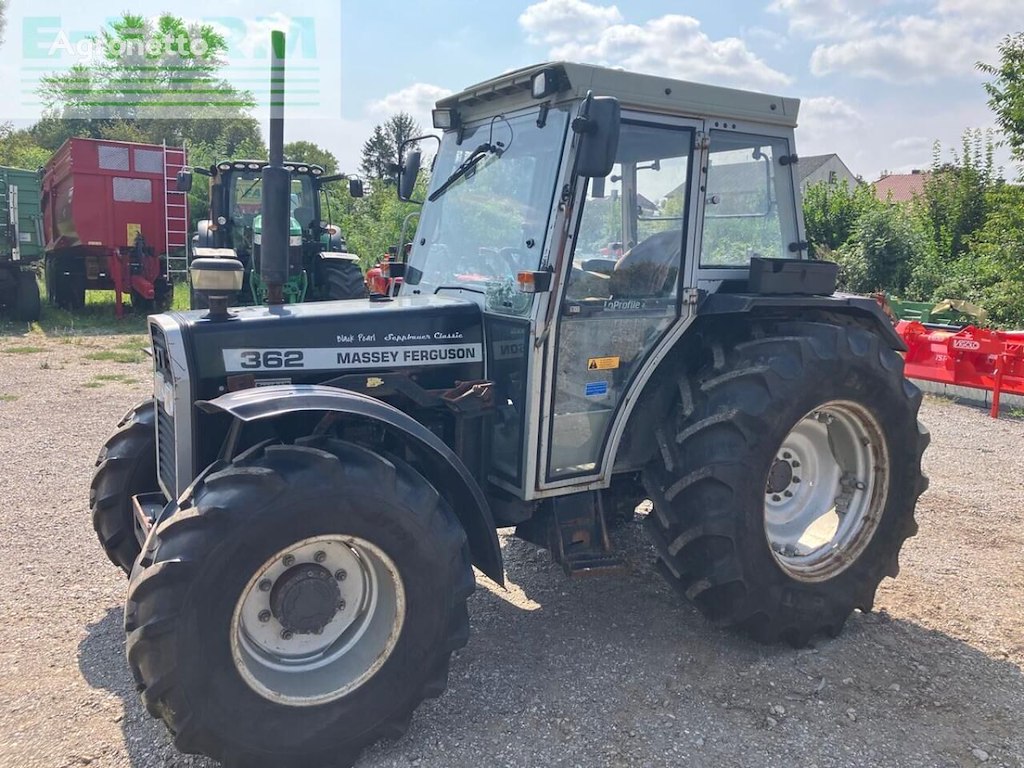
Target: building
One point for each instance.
(900, 187)
(815, 169)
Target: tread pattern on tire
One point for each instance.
(698, 525)
(156, 593)
(126, 465)
(343, 280)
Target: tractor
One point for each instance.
(301, 503)
(320, 268)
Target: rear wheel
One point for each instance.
(279, 619)
(126, 466)
(27, 305)
(791, 485)
(342, 280)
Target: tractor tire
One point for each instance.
(738, 531)
(342, 280)
(223, 652)
(126, 466)
(27, 304)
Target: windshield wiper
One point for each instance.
(468, 165)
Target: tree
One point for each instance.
(954, 203)
(1006, 91)
(831, 212)
(380, 151)
(308, 152)
(154, 80)
(885, 244)
(19, 150)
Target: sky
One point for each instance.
(880, 80)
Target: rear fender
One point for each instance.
(444, 468)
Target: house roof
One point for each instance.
(809, 165)
(900, 187)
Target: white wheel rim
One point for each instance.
(305, 667)
(826, 490)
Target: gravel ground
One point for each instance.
(600, 672)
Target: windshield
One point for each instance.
(490, 224)
(247, 198)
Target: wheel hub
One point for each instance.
(305, 599)
(780, 476)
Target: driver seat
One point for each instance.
(649, 269)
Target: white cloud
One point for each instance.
(672, 45)
(825, 18)
(417, 100)
(900, 41)
(827, 125)
(556, 22)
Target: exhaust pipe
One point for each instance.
(276, 210)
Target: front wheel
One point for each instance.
(126, 466)
(279, 617)
(792, 481)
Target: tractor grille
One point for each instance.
(167, 465)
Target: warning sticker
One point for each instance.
(602, 363)
(596, 389)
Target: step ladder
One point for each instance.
(176, 219)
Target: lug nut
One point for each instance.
(788, 494)
(286, 634)
(289, 561)
(795, 464)
(341, 605)
(776, 497)
(265, 585)
(340, 574)
(787, 455)
(264, 616)
(320, 557)
(796, 479)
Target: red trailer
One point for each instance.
(111, 215)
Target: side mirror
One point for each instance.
(598, 126)
(355, 187)
(407, 174)
(184, 181)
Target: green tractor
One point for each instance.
(320, 268)
(301, 503)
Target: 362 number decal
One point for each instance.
(255, 359)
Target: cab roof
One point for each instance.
(633, 90)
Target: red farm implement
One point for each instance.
(111, 216)
(967, 357)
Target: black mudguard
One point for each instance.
(789, 306)
(445, 468)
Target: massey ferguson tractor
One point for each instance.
(301, 502)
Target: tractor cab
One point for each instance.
(587, 276)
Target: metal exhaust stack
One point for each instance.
(276, 184)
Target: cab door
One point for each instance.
(623, 298)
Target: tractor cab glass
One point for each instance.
(489, 206)
(750, 207)
(246, 198)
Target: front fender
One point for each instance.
(446, 470)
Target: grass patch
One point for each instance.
(122, 377)
(95, 318)
(117, 355)
(94, 384)
(6, 398)
(26, 350)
